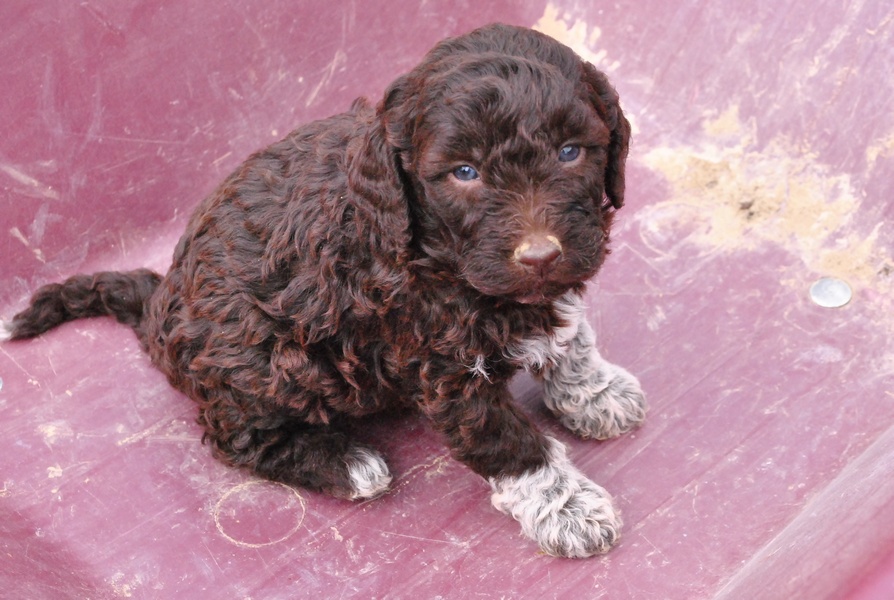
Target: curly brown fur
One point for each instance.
(357, 264)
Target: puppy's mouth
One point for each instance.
(536, 270)
(536, 298)
(524, 288)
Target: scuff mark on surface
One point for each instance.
(54, 431)
(167, 430)
(339, 61)
(38, 227)
(430, 468)
(104, 20)
(17, 235)
(453, 542)
(123, 586)
(32, 380)
(143, 434)
(33, 187)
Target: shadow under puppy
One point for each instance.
(415, 253)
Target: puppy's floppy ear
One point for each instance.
(381, 193)
(605, 99)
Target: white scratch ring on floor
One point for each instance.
(259, 513)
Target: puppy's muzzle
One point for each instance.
(538, 251)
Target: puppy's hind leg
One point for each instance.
(317, 457)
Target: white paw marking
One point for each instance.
(5, 331)
(368, 473)
(559, 508)
(591, 396)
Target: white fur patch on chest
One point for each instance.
(542, 351)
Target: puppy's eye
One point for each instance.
(465, 173)
(569, 153)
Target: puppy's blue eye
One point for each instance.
(569, 153)
(465, 173)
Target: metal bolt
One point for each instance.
(830, 292)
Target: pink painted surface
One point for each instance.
(763, 159)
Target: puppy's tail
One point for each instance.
(123, 295)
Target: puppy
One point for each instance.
(416, 253)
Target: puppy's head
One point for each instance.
(511, 151)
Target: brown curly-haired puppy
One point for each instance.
(418, 253)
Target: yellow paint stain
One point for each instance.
(577, 35)
(735, 197)
(880, 149)
(726, 124)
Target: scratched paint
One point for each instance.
(125, 586)
(29, 186)
(55, 431)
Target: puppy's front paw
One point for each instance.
(603, 405)
(559, 508)
(368, 474)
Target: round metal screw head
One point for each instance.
(830, 292)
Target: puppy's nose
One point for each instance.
(538, 250)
